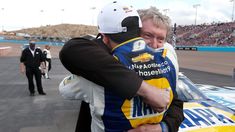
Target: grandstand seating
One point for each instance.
(215, 34)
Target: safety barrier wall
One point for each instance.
(26, 41)
(192, 48)
(4, 50)
(207, 48)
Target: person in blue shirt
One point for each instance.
(155, 66)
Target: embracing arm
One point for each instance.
(171, 121)
(90, 60)
(77, 87)
(174, 116)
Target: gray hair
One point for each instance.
(158, 18)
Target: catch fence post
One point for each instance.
(234, 74)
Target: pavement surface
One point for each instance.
(202, 77)
(213, 62)
(20, 112)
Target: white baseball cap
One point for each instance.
(111, 16)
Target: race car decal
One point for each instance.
(153, 67)
(138, 112)
(68, 80)
(224, 95)
(144, 57)
(223, 101)
(206, 118)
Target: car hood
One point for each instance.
(207, 116)
(222, 95)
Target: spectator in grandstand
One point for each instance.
(206, 34)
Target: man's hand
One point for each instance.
(157, 98)
(147, 128)
(43, 65)
(22, 68)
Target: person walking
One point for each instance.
(47, 56)
(30, 61)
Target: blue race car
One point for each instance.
(203, 114)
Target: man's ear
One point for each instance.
(105, 39)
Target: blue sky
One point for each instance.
(35, 13)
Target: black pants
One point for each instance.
(36, 72)
(49, 67)
(49, 62)
(84, 118)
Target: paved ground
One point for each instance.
(208, 78)
(21, 113)
(51, 113)
(214, 62)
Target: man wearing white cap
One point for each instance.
(109, 111)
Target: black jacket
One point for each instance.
(92, 60)
(31, 61)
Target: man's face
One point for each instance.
(32, 46)
(154, 36)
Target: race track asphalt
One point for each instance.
(51, 113)
(20, 112)
(202, 77)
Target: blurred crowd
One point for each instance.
(215, 34)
